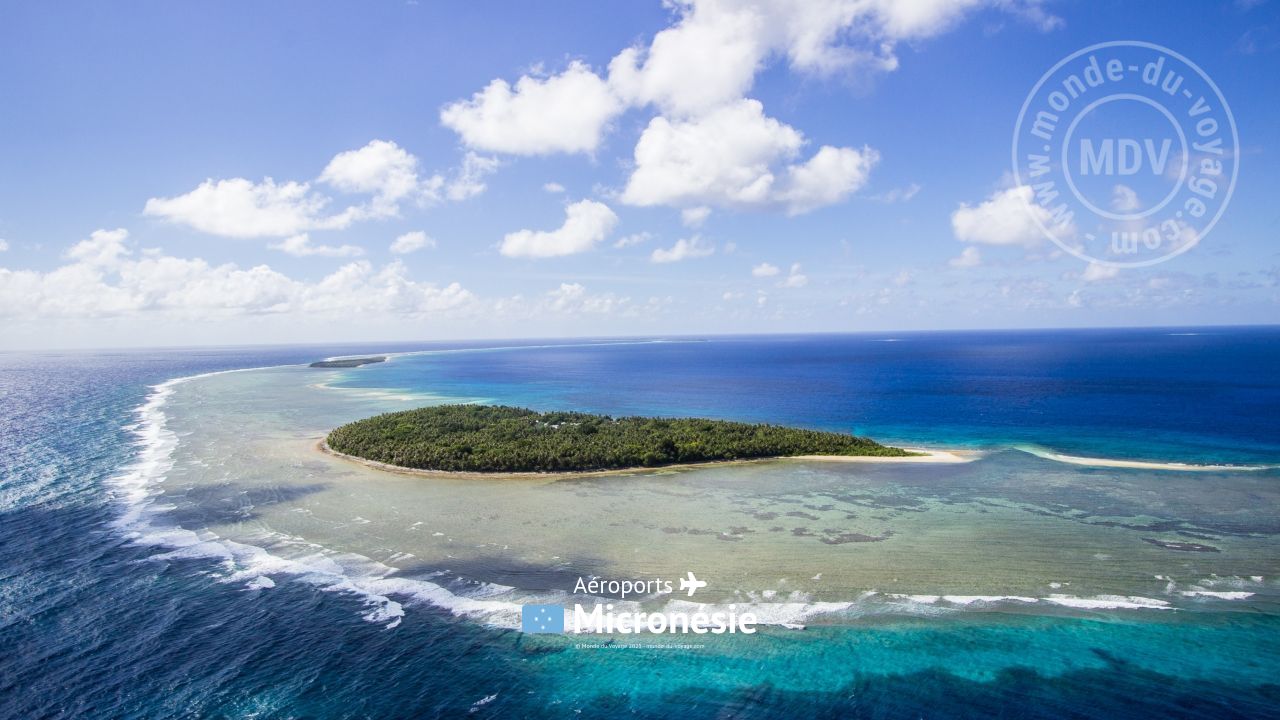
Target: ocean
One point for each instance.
(172, 543)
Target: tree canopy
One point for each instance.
(496, 438)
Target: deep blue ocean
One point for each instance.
(93, 626)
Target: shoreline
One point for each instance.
(926, 456)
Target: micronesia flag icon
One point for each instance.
(542, 619)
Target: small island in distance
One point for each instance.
(347, 362)
(501, 439)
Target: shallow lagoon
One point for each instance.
(801, 542)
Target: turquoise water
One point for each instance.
(200, 558)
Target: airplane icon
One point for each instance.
(692, 584)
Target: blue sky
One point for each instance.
(576, 169)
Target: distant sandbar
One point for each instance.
(348, 362)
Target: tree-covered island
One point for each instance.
(495, 438)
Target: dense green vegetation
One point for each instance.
(487, 438)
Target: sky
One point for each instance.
(235, 173)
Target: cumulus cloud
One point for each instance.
(1007, 217)
(711, 146)
(381, 168)
(388, 174)
(764, 270)
(301, 246)
(586, 223)
(722, 158)
(411, 242)
(733, 157)
(827, 178)
(708, 58)
(553, 187)
(105, 278)
(241, 208)
(565, 113)
(684, 249)
(4, 245)
(714, 50)
(102, 249)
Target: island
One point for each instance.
(502, 439)
(347, 362)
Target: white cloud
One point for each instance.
(827, 178)
(765, 270)
(586, 223)
(632, 239)
(240, 208)
(722, 158)
(794, 279)
(713, 147)
(697, 73)
(712, 53)
(969, 257)
(4, 245)
(1007, 217)
(710, 57)
(684, 249)
(563, 113)
(732, 157)
(300, 246)
(102, 249)
(553, 187)
(381, 168)
(411, 242)
(105, 278)
(694, 217)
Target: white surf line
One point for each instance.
(137, 487)
(927, 456)
(1135, 464)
